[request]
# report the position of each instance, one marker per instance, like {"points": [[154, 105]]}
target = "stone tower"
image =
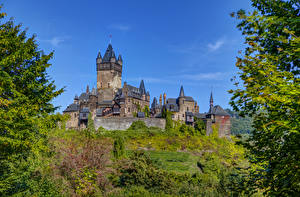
{"points": [[109, 74]]}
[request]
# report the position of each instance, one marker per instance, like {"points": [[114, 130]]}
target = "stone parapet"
{"points": [[123, 123]]}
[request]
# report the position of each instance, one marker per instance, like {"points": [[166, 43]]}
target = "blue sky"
{"points": [[168, 43]]}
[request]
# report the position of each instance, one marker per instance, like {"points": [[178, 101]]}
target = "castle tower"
{"points": [[143, 90], [211, 103], [181, 98], [109, 74]]}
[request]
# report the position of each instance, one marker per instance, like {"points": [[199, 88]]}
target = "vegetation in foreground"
{"points": [[143, 161], [39, 159]]}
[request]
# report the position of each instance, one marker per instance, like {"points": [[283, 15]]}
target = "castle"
{"points": [[111, 100]]}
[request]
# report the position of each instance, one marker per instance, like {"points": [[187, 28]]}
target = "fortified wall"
{"points": [[123, 123]]}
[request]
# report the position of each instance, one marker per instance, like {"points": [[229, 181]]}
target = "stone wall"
{"points": [[123, 123]]}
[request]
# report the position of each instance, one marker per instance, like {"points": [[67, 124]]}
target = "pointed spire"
{"points": [[94, 92], [154, 103], [99, 55], [142, 88], [181, 93], [120, 58], [211, 103], [109, 54], [87, 89]]}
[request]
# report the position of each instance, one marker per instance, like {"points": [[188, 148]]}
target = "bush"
{"points": [[138, 125], [119, 147]]}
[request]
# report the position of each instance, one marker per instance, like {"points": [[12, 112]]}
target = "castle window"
{"points": [[182, 115], [108, 84], [187, 109], [101, 85], [128, 109]]}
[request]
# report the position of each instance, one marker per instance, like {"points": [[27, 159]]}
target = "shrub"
{"points": [[119, 147], [85, 166], [137, 125]]}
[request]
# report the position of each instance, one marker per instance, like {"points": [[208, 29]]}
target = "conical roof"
{"points": [[181, 93], [142, 88]]}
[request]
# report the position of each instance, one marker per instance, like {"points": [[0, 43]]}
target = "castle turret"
{"points": [[165, 98], [181, 93], [109, 74], [211, 103], [76, 99], [87, 89], [120, 61], [142, 90], [160, 100], [148, 96]]}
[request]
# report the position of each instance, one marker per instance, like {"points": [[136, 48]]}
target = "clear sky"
{"points": [[168, 43]]}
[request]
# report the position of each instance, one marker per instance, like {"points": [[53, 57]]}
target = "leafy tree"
{"points": [[91, 131], [25, 105], [146, 110], [200, 126], [270, 77], [119, 148]]}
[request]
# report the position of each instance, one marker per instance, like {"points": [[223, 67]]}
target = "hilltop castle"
{"points": [[111, 100]]}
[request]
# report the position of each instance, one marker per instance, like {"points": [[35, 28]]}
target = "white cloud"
{"points": [[215, 46], [205, 76], [151, 80], [120, 27], [56, 41]]}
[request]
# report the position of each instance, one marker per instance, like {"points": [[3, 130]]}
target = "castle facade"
{"points": [[109, 99]]}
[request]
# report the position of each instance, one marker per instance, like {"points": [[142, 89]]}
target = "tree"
{"points": [[25, 105], [270, 94], [90, 127], [119, 148], [146, 110], [200, 126]]}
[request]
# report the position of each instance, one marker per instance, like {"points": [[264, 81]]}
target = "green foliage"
{"points": [[146, 110], [137, 125], [239, 125], [269, 71], [119, 148], [169, 121], [90, 131], [25, 104], [200, 126]]}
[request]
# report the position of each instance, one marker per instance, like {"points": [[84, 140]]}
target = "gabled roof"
{"points": [[109, 54], [71, 108], [218, 110], [188, 98]]}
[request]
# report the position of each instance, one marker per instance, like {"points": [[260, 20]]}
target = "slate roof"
{"points": [[142, 88], [181, 93], [218, 110], [84, 96], [188, 98], [109, 54], [154, 104], [200, 115], [172, 107], [172, 100], [71, 108]]}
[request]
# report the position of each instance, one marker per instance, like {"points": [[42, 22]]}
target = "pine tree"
{"points": [[25, 105]]}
